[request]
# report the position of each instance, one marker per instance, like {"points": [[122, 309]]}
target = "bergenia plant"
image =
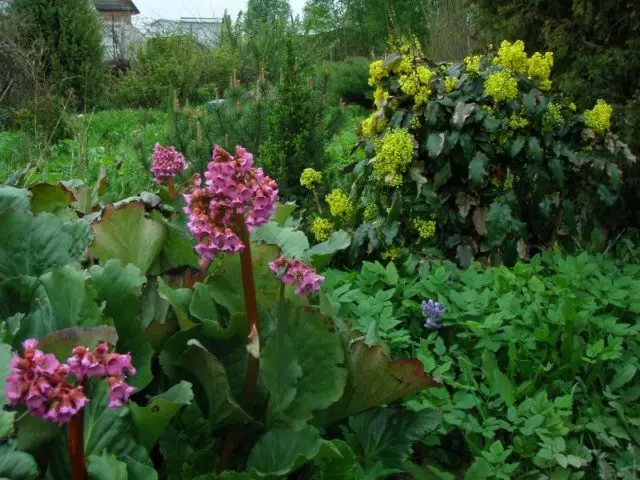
{"points": [[166, 164], [54, 391], [235, 198]]}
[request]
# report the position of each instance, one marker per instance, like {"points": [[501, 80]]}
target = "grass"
{"points": [[116, 141]]}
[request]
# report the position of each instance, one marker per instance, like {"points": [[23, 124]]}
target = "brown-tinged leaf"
{"points": [[480, 220], [374, 379]]}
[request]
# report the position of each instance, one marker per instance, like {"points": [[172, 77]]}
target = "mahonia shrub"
{"points": [[481, 158]]}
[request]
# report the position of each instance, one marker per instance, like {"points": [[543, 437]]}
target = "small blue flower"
{"points": [[432, 311]]}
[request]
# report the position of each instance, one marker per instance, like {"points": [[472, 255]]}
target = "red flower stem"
{"points": [[253, 342], [172, 190], [75, 443]]}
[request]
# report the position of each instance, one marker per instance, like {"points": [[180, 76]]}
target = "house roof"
{"points": [[116, 6]]}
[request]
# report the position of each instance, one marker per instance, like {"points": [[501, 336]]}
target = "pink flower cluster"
{"points": [[234, 189], [41, 382], [100, 363], [167, 163], [298, 274]]}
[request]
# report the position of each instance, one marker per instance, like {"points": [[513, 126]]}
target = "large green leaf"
{"points": [[179, 299], [106, 467], [126, 234], [119, 287], [62, 342], [81, 236], [339, 240], [339, 463], [374, 379], [6, 422], [226, 282], [203, 307], [33, 432], [302, 365], [11, 197], [50, 198], [177, 250], [32, 245], [206, 369], [282, 450], [57, 300], [149, 422], [5, 357], [387, 434], [292, 243], [16, 465]]}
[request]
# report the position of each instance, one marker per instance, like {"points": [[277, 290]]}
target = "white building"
{"points": [[206, 30]]}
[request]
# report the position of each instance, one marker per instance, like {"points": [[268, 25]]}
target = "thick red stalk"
{"points": [[172, 189], [75, 443], [253, 341]]}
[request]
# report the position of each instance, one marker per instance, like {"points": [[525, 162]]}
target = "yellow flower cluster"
{"points": [[450, 83], [379, 95], [416, 84], [373, 125], [370, 212], [599, 117], [553, 116], [572, 107], [310, 178], [426, 228], [394, 153], [501, 86], [377, 72], [512, 56], [415, 123], [540, 69], [391, 254], [339, 204], [321, 229], [473, 64], [517, 122]]}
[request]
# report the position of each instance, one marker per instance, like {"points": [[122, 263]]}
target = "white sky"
{"points": [[198, 8]]}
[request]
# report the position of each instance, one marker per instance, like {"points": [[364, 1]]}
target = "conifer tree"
{"points": [[69, 33]]}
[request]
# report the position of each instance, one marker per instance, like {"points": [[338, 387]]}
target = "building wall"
{"points": [[124, 17]]}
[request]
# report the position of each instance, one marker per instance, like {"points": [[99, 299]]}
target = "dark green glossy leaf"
{"points": [[387, 434], [535, 149], [516, 146], [435, 144], [477, 169], [17, 465], [149, 422], [283, 450], [442, 176]]}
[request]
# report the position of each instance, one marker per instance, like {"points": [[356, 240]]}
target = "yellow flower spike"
{"points": [[517, 122], [473, 64], [426, 228], [553, 116], [310, 178], [370, 212], [450, 83], [501, 86], [599, 117], [373, 125], [394, 153], [321, 229], [512, 56], [391, 254], [540, 69], [339, 204], [377, 72]]}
